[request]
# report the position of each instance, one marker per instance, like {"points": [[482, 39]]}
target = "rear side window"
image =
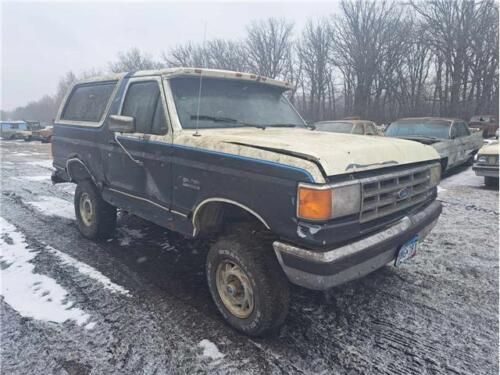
{"points": [[87, 102], [143, 102]]}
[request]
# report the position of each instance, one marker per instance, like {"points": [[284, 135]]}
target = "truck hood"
{"points": [[336, 153]]}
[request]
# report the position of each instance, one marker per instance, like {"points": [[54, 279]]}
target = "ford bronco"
{"points": [[224, 154]]}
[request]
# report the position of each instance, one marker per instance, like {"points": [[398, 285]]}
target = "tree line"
{"points": [[379, 60]]}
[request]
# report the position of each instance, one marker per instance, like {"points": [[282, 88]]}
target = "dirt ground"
{"points": [[139, 304]]}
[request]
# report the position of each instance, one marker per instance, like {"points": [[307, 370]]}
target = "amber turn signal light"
{"points": [[314, 204]]}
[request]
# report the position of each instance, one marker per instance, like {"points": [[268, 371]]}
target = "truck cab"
{"points": [[225, 154]]}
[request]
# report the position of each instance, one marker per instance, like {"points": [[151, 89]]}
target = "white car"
{"points": [[452, 138], [486, 163]]}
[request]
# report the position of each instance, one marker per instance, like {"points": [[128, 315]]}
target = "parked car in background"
{"points": [[235, 161], [44, 135], [361, 127], [15, 130], [486, 163], [487, 123], [452, 138]]}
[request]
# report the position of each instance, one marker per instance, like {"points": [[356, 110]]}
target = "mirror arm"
{"points": [[138, 162]]}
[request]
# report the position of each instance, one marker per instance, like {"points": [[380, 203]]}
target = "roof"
{"points": [[345, 121], [194, 72], [429, 119]]}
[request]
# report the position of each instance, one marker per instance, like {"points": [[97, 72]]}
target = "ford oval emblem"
{"points": [[403, 193]]}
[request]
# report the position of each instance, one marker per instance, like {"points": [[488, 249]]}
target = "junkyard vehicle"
{"points": [[15, 130], [487, 123], [234, 161], [452, 138], [486, 163], [44, 134], [361, 127]]}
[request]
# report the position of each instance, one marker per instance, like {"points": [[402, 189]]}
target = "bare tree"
{"points": [[268, 46], [314, 51], [133, 60]]}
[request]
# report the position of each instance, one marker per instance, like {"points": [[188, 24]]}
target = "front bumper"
{"points": [[485, 170], [323, 270]]}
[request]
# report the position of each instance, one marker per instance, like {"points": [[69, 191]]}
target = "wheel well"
{"points": [[213, 216], [77, 170]]}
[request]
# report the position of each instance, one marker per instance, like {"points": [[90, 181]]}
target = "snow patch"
{"points": [[128, 235], [52, 206], [42, 163], [45, 178], [32, 295], [210, 350], [441, 190], [88, 271]]}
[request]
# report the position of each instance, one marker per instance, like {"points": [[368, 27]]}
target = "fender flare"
{"points": [[223, 200], [84, 170]]}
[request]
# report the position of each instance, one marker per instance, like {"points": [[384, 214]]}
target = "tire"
{"points": [[254, 258], [96, 218], [444, 165], [491, 181]]}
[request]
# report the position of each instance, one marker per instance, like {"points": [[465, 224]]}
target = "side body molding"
{"points": [[77, 170], [223, 200]]}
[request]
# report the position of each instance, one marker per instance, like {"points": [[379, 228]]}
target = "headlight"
{"points": [[328, 202], [435, 175], [482, 159]]}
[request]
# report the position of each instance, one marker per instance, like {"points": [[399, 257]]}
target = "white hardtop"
{"points": [[193, 72]]}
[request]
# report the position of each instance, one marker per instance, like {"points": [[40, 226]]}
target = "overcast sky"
{"points": [[42, 41]]}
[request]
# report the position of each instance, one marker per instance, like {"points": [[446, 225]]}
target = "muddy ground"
{"points": [[139, 304]]}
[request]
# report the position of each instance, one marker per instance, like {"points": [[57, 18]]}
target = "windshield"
{"points": [[336, 127], [230, 103], [423, 128]]}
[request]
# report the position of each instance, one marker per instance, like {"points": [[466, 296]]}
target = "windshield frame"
{"points": [[422, 122], [174, 115]]}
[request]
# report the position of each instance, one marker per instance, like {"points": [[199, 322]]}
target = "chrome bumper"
{"points": [[325, 269]]}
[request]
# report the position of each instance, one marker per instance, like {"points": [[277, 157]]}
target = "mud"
{"points": [[437, 314]]}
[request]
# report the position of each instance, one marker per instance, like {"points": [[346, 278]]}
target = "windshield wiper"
{"points": [[227, 120]]}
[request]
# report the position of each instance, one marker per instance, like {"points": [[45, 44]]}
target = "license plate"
{"points": [[407, 251]]}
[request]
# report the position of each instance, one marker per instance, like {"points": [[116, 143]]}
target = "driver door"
{"points": [[138, 164]]}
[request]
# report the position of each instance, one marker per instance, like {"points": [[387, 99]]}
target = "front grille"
{"points": [[387, 194]]}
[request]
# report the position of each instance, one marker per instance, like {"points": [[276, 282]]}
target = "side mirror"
{"points": [[122, 124]]}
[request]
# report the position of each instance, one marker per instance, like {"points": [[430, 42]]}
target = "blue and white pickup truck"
{"points": [[225, 154]]}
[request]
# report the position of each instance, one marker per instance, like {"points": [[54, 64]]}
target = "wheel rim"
{"points": [[234, 289], [86, 209]]}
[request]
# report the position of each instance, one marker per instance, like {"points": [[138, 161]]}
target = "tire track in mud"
{"points": [[437, 315], [175, 320]]}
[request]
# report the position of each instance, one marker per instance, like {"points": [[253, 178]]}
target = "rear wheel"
{"points": [[247, 284], [96, 218]]}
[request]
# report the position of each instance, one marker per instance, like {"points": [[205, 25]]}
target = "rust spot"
{"points": [[197, 71], [264, 78], [252, 76], [239, 75]]}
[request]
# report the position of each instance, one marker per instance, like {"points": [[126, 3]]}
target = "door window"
{"points": [[144, 103]]}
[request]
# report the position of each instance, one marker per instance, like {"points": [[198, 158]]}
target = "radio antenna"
{"points": [[196, 134]]}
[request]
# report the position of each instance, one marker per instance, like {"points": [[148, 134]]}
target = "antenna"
{"points": [[196, 134]]}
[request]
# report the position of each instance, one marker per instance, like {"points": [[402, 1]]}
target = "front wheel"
{"points": [[96, 218], [247, 284]]}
